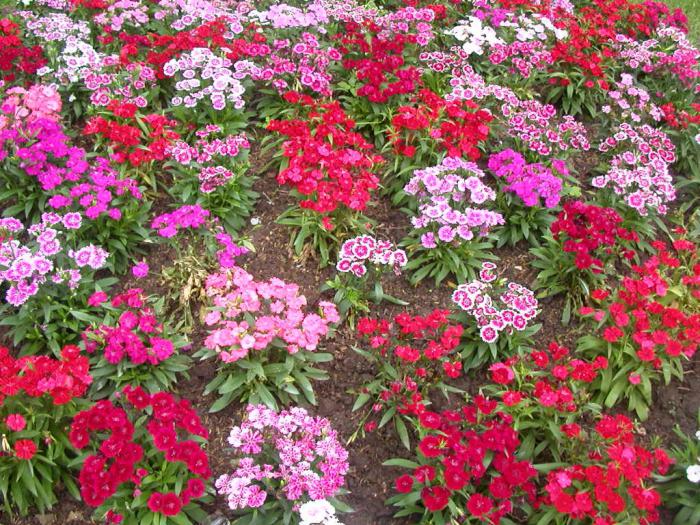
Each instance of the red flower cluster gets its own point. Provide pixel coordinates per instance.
(381, 67)
(611, 483)
(454, 465)
(414, 353)
(327, 160)
(680, 119)
(592, 29)
(456, 127)
(127, 140)
(14, 55)
(591, 233)
(135, 334)
(658, 331)
(549, 377)
(116, 459)
(62, 379)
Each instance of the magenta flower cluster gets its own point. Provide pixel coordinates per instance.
(248, 315)
(357, 252)
(33, 141)
(135, 334)
(497, 306)
(444, 194)
(288, 454)
(184, 217)
(530, 182)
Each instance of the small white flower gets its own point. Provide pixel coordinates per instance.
(697, 434)
(255, 221)
(315, 512)
(693, 473)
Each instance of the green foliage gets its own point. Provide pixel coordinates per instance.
(269, 377)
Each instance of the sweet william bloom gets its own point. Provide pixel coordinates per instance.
(435, 498)
(478, 505)
(25, 449)
(15, 422)
(404, 484)
(693, 473)
(501, 373)
(140, 270)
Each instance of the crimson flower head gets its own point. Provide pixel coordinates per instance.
(404, 484)
(478, 505)
(435, 498)
(25, 449)
(501, 373)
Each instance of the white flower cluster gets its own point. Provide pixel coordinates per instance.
(475, 35)
(533, 27)
(318, 512)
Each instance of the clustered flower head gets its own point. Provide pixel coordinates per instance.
(355, 253)
(121, 458)
(136, 334)
(42, 259)
(639, 168)
(208, 154)
(591, 233)
(551, 378)
(630, 101)
(514, 308)
(530, 182)
(248, 315)
(188, 216)
(453, 462)
(444, 193)
(35, 142)
(289, 453)
(658, 330)
(61, 380)
(452, 125)
(27, 105)
(204, 75)
(328, 162)
(612, 481)
(420, 349)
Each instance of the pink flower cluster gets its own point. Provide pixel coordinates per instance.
(640, 173)
(229, 250)
(110, 80)
(204, 75)
(135, 334)
(248, 315)
(41, 260)
(355, 253)
(530, 182)
(287, 63)
(631, 102)
(443, 193)
(288, 454)
(28, 105)
(518, 305)
(209, 154)
(670, 51)
(188, 216)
